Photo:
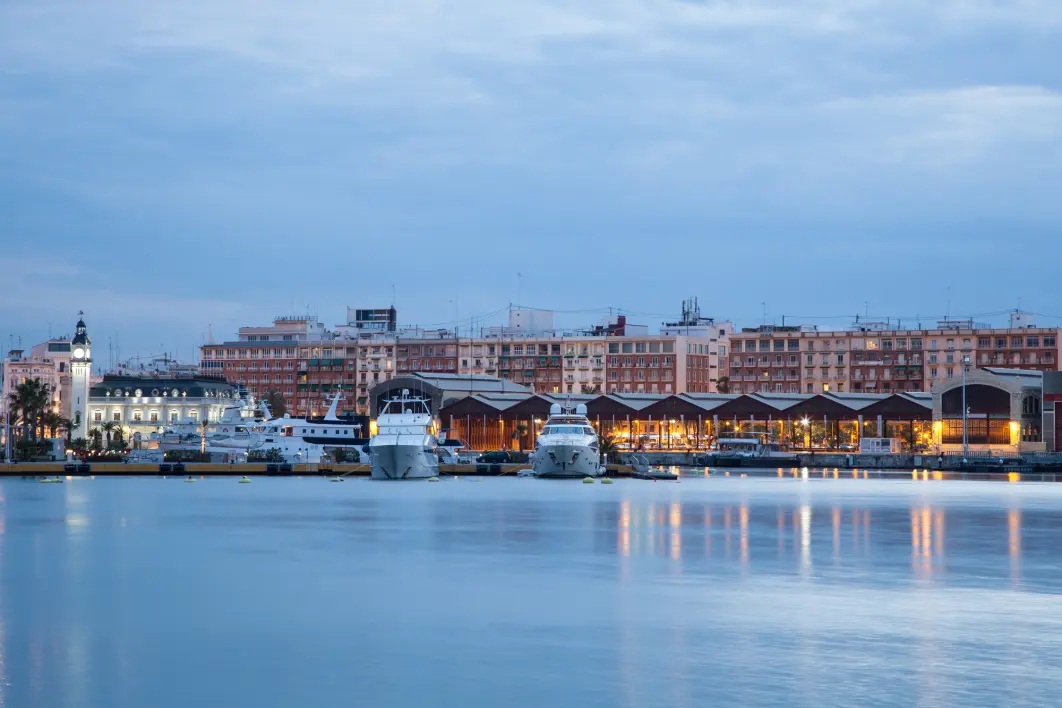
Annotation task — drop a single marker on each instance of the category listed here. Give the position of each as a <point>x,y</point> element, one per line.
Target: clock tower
<point>80,378</point>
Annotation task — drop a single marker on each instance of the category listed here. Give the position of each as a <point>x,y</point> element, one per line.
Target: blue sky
<point>165,166</point>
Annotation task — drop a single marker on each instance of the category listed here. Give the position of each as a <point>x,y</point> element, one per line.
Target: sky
<point>172,166</point>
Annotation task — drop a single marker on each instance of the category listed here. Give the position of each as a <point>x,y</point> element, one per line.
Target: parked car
<point>496,457</point>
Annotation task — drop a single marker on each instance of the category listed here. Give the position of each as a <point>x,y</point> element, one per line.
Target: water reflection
<point>753,536</point>
<point>1014,544</point>
<point>809,582</point>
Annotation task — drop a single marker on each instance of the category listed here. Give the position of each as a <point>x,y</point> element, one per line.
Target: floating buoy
<point>337,479</point>
<point>433,479</point>
<point>190,479</point>
<point>245,480</point>
<point>588,480</point>
<point>606,480</point>
<point>51,480</point>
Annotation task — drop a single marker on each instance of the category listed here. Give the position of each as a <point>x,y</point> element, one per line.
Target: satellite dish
<point>555,409</point>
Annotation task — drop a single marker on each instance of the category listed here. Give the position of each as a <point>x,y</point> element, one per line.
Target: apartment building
<point>308,364</point>
<point>879,360</point>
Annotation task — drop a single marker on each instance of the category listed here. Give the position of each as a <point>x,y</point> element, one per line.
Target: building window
<point>153,416</point>
<point>116,416</point>
<point>97,416</point>
<point>138,416</point>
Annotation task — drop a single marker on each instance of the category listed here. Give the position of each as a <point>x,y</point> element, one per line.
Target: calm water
<point>520,592</point>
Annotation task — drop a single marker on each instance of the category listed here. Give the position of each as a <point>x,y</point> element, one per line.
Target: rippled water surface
<point>521,592</point>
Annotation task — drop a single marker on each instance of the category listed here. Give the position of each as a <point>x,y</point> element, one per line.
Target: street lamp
<point>965,411</point>
<point>806,422</point>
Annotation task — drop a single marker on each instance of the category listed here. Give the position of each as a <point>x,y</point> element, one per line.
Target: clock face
<point>79,353</point>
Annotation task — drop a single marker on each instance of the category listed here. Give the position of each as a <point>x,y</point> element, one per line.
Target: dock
<point>249,469</point>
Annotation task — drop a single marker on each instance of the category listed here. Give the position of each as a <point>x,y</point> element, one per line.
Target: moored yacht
<point>309,439</point>
<point>567,445</point>
<point>405,446</point>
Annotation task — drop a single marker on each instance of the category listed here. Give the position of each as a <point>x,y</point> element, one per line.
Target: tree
<point>119,437</point>
<point>518,435</point>
<point>202,435</point>
<point>29,401</point>
<point>275,400</point>
<point>69,426</point>
<point>607,446</point>
<point>722,385</point>
<point>79,444</point>
<point>108,428</point>
<point>51,421</point>
<point>96,438</point>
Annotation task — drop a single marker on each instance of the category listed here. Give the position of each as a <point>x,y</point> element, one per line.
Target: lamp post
<point>965,437</point>
<point>806,422</point>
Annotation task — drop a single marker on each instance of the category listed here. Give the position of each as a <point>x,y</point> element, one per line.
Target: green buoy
<point>588,480</point>
<point>190,479</point>
<point>51,480</point>
<point>245,480</point>
<point>433,479</point>
<point>606,480</point>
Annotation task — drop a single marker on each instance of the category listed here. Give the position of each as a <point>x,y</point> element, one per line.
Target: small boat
<point>567,447</point>
<point>405,446</point>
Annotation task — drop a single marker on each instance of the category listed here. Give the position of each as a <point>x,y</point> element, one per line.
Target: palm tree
<point>51,421</point>
<point>30,400</point>
<point>79,444</point>
<point>68,426</point>
<point>108,428</point>
<point>722,385</point>
<point>202,434</point>
<point>518,434</point>
<point>119,437</point>
<point>96,438</point>
<point>607,446</point>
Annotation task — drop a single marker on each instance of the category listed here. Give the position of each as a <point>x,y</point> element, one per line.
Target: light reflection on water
<point>713,591</point>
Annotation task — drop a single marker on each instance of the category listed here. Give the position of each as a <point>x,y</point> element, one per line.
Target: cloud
<point>126,297</point>
<point>223,131</point>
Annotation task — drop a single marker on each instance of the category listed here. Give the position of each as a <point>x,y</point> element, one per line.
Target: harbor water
<point>523,592</point>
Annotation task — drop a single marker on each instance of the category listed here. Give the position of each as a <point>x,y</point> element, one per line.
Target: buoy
<point>245,480</point>
<point>190,479</point>
<point>51,480</point>
<point>606,480</point>
<point>433,479</point>
<point>588,480</point>
<point>336,479</point>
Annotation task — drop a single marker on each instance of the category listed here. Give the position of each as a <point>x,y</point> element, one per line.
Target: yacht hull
<point>403,462</point>
<point>566,462</point>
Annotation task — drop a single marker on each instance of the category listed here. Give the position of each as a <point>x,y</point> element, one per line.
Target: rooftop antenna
<point>764,304</point>
<point>519,289</point>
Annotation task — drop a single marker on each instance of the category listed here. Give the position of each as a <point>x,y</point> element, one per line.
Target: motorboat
<point>568,446</point>
<point>405,446</point>
<point>309,439</point>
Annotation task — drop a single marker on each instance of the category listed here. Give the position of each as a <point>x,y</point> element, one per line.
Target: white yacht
<point>309,439</point>
<point>405,446</point>
<point>233,430</point>
<point>567,445</point>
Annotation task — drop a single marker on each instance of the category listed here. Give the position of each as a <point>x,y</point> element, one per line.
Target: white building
<point>146,403</point>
